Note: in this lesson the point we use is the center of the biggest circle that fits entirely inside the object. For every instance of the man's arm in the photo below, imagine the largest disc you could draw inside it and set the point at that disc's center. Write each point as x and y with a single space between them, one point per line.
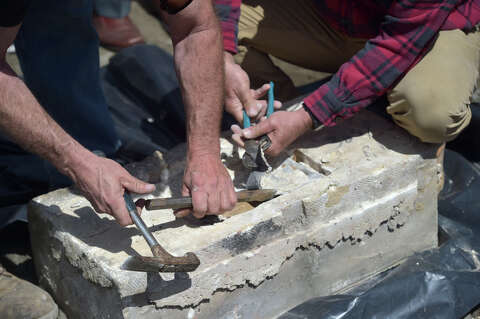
404 38
198 57
238 95
26 122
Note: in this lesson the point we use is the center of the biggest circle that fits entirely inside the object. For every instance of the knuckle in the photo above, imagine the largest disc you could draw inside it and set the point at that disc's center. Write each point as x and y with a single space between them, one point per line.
226 206
214 208
212 185
199 207
198 215
273 121
214 211
124 223
251 111
101 209
182 213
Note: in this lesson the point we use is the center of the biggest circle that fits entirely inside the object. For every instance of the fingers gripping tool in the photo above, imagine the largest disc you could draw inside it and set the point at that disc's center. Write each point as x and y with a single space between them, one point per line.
254 157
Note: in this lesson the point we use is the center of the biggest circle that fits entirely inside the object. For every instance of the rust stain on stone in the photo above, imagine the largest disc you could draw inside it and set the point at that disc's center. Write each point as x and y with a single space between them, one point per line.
335 194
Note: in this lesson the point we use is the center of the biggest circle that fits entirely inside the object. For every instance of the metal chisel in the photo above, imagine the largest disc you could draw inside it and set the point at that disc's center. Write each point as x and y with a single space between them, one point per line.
259 195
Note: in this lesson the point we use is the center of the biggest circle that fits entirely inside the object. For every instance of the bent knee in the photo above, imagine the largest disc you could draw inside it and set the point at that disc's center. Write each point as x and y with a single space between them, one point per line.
434 124
443 127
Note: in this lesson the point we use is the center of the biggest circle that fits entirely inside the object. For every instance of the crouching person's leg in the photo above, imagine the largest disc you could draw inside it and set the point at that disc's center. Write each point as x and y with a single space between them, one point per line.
432 102
20 299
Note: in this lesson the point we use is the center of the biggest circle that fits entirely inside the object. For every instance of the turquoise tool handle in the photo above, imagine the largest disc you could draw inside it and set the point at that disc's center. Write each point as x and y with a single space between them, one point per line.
246 120
271 99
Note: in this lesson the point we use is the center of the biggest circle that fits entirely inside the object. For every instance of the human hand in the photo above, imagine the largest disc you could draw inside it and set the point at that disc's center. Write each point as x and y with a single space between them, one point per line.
103 182
282 128
209 184
239 96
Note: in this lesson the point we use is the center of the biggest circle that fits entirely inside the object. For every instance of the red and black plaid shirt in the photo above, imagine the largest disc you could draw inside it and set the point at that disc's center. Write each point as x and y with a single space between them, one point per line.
400 33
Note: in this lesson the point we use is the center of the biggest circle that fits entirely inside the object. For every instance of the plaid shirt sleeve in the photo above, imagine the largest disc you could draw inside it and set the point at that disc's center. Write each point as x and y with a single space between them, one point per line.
229 12
406 31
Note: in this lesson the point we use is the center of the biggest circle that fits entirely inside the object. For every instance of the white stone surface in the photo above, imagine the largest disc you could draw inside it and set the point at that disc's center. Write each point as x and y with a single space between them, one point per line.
362 198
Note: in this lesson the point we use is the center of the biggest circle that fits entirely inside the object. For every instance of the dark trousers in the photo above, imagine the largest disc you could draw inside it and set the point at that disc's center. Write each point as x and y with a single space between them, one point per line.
112 8
58 51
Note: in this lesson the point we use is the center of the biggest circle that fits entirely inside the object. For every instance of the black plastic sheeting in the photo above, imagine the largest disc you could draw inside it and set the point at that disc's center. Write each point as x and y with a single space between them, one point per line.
142 92
438 283
141 89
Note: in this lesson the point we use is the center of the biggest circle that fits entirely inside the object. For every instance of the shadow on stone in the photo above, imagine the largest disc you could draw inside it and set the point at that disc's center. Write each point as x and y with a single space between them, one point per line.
158 288
365 122
94 228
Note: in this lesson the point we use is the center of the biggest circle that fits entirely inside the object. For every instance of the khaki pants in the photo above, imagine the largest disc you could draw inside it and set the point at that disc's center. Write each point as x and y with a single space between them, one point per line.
431 101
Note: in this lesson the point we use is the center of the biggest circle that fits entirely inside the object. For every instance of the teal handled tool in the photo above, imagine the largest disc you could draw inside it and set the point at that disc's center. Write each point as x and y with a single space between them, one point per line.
270 109
254 157
246 120
271 99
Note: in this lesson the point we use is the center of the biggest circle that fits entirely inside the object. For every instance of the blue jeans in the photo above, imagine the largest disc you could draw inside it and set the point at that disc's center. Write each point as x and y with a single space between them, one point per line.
58 51
112 8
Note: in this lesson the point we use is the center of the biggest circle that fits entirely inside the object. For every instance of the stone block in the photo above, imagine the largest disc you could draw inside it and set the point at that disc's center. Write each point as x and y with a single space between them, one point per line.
355 200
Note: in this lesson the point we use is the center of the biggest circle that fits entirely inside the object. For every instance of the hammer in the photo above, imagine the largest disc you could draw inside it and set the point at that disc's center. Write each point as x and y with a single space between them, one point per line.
161 261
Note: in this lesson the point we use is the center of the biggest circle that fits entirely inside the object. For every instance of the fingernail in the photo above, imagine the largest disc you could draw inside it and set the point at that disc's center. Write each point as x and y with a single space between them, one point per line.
180 214
150 187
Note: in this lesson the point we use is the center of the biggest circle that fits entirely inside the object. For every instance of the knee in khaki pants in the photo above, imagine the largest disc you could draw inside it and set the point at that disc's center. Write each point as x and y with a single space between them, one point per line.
432 100
428 117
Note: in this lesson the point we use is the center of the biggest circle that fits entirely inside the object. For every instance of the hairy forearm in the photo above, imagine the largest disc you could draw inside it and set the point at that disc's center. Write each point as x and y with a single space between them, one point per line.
199 61
24 121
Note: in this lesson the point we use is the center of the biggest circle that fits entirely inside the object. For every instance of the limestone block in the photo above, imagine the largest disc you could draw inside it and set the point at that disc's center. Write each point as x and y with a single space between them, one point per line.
355 200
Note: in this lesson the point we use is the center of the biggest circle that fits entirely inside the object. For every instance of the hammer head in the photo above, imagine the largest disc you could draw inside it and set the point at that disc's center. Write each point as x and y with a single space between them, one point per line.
186 263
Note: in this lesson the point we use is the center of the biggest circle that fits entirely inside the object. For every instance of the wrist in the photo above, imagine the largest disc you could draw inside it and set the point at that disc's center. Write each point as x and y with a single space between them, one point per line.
315 123
228 57
205 147
75 159
306 119
203 141
203 155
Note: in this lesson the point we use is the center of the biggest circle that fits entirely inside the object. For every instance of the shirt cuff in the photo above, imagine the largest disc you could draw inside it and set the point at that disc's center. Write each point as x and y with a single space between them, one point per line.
326 107
315 102
229 31
315 122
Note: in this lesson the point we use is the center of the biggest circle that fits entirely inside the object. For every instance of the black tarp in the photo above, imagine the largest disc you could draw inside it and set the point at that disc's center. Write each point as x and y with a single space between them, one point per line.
142 92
